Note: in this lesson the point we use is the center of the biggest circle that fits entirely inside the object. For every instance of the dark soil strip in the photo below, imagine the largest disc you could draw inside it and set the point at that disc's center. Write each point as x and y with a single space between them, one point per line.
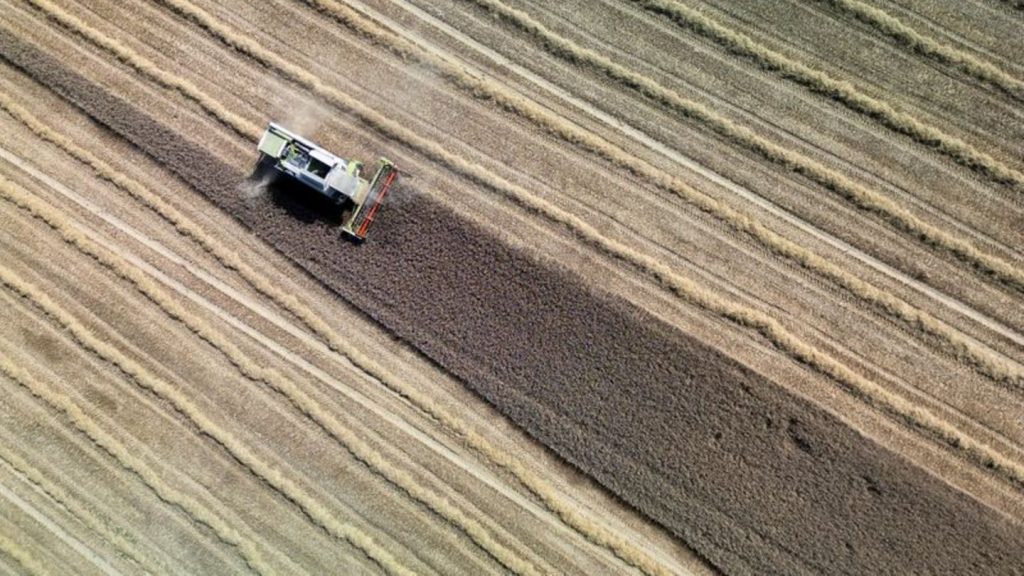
754 478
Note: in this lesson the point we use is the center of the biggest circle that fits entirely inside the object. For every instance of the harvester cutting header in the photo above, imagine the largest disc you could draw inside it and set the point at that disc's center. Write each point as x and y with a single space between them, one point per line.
336 178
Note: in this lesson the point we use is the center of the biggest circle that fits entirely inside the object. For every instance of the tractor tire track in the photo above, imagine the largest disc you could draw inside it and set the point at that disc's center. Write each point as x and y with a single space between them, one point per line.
546 493
843 161
236 123
678 158
106 443
987 361
212 545
861 387
938 404
69 540
24 559
966 37
219 179
844 93
198 484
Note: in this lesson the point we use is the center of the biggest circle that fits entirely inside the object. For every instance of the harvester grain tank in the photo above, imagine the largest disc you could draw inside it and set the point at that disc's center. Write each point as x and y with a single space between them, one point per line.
334 177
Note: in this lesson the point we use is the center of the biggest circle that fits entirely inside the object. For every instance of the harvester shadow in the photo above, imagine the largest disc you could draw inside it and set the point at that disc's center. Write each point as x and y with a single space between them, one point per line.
304 204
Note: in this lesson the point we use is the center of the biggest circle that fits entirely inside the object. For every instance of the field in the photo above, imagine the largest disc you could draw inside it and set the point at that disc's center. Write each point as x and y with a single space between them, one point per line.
665 287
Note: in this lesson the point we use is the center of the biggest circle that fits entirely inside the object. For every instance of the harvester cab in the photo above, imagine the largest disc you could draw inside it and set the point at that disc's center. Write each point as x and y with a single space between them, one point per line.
336 178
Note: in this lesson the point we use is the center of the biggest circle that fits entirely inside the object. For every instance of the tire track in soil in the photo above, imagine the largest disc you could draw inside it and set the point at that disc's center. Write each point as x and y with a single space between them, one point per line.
236 123
920 418
67 539
541 489
843 92
25 560
212 544
987 361
936 27
544 492
622 396
872 180
666 151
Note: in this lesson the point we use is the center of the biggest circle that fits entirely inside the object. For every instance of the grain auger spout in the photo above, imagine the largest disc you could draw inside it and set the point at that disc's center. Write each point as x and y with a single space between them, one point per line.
334 177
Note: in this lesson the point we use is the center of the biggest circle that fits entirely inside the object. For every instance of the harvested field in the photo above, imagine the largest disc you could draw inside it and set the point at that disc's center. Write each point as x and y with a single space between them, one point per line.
666 288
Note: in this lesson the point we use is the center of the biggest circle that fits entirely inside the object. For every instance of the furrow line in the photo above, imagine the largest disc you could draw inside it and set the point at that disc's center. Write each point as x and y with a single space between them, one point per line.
686 289
910 38
987 361
304 403
236 123
540 488
105 442
92 519
440 505
859 195
841 91
16 552
266 473
57 531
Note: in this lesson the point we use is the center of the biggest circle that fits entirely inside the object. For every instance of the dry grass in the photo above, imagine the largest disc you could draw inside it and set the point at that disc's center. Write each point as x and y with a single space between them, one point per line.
22 557
197 512
241 126
843 92
809 433
984 359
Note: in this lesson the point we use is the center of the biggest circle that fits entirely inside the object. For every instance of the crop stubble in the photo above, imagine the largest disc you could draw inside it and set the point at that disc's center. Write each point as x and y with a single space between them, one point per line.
467 281
624 398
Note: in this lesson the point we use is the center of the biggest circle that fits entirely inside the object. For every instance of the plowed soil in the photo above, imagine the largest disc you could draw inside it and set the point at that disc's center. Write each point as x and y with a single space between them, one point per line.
599 327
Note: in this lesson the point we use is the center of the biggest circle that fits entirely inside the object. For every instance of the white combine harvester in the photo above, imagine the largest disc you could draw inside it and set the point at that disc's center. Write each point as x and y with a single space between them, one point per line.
336 178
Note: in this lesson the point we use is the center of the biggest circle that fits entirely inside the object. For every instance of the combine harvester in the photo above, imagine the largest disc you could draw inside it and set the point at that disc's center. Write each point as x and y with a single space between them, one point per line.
331 176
